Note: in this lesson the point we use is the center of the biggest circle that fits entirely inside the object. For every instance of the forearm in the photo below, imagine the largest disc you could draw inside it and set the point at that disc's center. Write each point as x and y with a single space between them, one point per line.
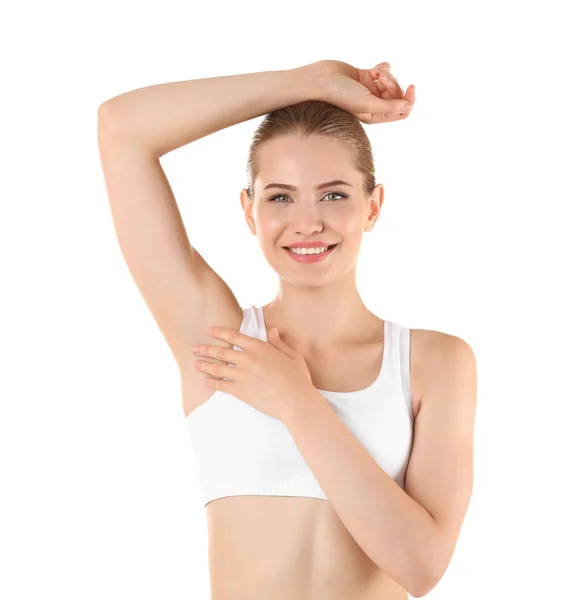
167 116
391 528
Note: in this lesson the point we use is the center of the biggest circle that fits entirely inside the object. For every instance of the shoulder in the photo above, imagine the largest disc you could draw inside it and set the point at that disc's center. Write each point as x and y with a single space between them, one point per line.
436 355
438 346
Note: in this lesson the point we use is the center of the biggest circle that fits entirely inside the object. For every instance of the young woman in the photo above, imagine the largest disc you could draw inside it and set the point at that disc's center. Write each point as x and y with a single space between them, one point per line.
336 458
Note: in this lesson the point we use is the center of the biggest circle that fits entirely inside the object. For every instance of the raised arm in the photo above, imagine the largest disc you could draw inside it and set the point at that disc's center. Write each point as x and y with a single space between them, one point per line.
167 116
184 294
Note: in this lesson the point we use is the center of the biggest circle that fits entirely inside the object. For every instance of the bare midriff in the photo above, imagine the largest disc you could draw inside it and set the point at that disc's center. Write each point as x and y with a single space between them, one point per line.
288 548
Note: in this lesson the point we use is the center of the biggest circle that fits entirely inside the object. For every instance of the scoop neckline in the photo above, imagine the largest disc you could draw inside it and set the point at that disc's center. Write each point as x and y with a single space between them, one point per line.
367 390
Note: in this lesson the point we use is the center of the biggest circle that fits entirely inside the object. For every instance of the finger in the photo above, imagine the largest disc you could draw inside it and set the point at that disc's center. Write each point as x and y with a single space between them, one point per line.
372 118
276 341
227 355
235 338
409 99
383 70
224 386
375 72
383 109
369 78
390 86
215 369
382 117
383 65
399 116
412 96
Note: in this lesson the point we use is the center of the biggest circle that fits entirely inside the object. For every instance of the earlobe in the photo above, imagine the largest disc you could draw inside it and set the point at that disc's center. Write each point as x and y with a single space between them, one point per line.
251 224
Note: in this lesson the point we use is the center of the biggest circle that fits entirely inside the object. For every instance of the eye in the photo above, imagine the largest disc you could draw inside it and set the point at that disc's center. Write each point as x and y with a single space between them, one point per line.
342 196
272 199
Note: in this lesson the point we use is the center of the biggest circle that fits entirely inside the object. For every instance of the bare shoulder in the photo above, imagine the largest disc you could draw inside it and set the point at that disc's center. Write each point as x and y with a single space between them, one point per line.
431 351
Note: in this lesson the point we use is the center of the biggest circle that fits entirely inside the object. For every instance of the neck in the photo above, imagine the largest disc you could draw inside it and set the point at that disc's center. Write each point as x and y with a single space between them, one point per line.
317 318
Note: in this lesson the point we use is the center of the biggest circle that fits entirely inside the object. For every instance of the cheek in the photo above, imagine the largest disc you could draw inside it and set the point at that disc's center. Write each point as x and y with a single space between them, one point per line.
270 228
266 220
348 223
354 227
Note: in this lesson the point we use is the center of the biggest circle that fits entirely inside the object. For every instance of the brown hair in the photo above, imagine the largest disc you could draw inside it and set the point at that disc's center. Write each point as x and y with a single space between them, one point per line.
314 117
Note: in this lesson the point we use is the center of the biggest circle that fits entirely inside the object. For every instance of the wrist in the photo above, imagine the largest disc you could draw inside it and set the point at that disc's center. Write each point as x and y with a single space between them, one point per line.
312 79
303 404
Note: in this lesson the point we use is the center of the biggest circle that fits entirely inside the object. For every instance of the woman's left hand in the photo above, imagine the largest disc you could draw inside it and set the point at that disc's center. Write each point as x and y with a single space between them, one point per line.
371 95
269 376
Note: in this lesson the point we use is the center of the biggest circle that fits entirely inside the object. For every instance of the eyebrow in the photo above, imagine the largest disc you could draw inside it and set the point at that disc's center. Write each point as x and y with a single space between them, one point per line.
293 188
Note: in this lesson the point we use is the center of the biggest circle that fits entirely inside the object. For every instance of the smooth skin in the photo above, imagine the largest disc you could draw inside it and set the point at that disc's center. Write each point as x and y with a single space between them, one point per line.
280 547
372 95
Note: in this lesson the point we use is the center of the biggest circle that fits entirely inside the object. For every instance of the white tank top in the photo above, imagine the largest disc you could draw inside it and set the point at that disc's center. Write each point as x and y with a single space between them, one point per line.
241 451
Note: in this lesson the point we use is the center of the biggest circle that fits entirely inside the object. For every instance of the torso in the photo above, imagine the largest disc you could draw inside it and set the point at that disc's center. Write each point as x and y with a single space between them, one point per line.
280 548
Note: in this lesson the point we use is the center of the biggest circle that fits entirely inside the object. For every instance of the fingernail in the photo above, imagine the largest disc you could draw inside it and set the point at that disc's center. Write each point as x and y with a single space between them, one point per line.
406 108
385 77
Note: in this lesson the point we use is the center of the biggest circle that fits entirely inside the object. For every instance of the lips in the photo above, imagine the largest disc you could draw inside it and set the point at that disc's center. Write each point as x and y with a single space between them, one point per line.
311 258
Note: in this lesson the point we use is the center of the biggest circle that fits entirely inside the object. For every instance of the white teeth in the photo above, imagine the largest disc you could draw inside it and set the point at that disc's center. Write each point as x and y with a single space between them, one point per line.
309 250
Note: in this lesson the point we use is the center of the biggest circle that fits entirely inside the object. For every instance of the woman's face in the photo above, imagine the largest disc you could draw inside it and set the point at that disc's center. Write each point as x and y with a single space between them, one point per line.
334 214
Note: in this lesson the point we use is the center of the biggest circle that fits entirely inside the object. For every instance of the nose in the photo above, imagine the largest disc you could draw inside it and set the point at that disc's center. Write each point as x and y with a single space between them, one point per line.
307 219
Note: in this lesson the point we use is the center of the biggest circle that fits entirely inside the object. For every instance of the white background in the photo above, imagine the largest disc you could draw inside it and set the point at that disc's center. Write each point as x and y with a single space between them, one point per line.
479 237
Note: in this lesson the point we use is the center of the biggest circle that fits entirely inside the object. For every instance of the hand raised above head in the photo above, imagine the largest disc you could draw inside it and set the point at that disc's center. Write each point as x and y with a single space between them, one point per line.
365 93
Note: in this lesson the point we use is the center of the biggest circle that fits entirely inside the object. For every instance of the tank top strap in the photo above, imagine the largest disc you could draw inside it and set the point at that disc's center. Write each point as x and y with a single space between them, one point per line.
250 324
386 371
398 359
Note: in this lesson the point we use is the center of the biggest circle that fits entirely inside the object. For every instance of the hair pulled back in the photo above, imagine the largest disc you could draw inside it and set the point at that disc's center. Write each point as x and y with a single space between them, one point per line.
314 117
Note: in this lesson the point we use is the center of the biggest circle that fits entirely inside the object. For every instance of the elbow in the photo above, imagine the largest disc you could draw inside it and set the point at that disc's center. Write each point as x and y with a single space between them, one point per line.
107 122
418 584
423 587
433 565
429 578
424 571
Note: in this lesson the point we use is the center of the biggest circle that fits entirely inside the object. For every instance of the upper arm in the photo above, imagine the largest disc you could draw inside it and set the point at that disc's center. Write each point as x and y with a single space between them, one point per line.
440 471
181 290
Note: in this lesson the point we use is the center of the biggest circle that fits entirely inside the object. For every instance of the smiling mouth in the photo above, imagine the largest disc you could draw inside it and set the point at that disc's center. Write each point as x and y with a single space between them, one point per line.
327 248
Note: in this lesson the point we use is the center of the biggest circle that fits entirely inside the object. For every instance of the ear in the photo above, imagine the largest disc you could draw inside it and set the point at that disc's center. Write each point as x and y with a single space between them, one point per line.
374 206
247 207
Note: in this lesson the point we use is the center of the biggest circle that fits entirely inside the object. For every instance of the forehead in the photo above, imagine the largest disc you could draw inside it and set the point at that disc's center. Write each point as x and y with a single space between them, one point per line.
302 158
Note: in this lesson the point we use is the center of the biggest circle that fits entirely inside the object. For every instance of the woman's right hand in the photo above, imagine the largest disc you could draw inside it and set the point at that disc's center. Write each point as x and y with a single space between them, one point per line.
363 92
